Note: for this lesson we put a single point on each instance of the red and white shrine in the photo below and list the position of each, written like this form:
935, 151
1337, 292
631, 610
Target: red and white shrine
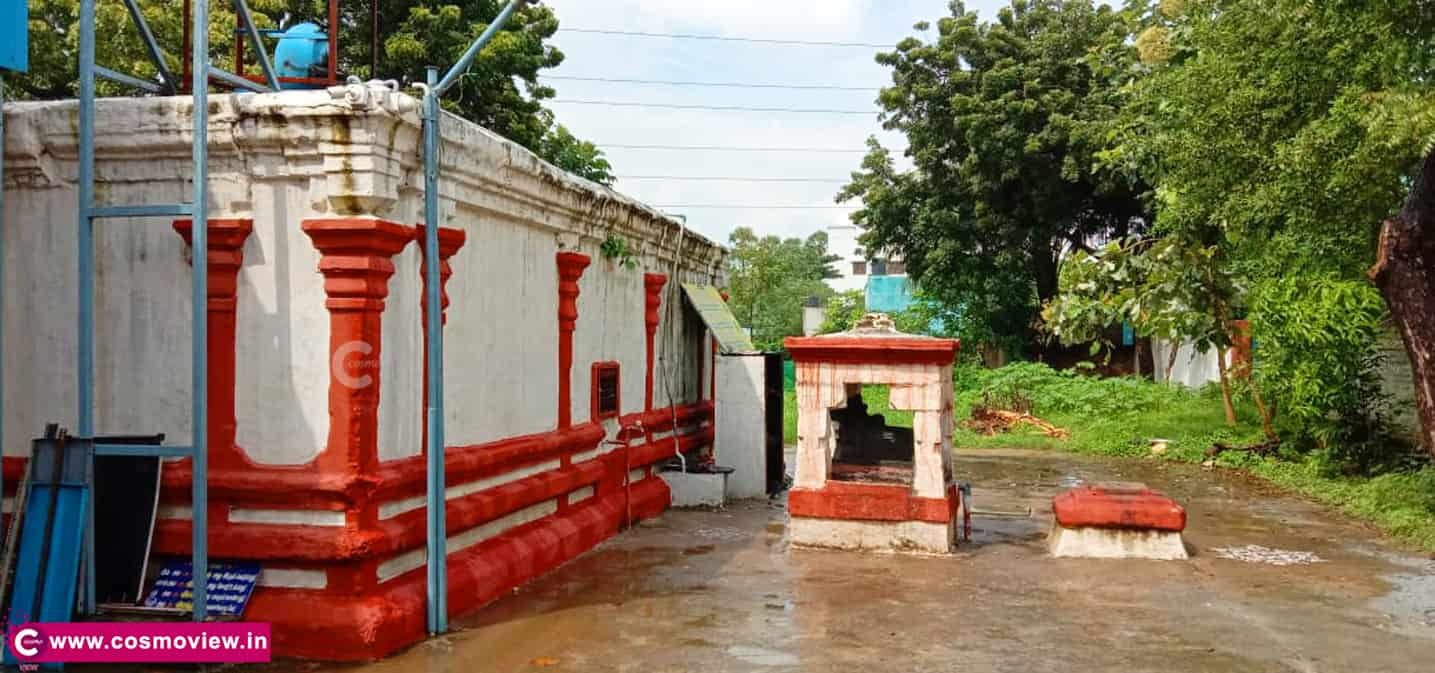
862, 484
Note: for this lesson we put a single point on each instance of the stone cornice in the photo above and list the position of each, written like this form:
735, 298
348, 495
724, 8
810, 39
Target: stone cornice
360, 148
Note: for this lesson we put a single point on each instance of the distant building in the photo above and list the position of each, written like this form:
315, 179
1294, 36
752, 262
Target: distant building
884, 275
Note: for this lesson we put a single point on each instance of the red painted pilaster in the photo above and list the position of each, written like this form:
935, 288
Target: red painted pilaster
570, 269
226, 256
357, 263
653, 300
449, 242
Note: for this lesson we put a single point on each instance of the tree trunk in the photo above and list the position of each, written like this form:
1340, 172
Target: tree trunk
1171, 360
1268, 413
1225, 385
1405, 273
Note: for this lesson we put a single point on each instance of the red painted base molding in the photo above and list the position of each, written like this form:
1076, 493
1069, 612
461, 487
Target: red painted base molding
358, 617
1129, 506
871, 502
333, 626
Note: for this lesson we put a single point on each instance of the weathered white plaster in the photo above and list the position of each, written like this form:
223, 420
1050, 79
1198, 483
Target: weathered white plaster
1193, 368
904, 536
637, 475
293, 578
394, 508
183, 512
602, 449
401, 392
691, 489
580, 495
280, 159
288, 517
740, 415
468, 488
1115, 543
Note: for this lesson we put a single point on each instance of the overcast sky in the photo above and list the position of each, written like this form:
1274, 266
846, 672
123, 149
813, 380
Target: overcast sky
626, 57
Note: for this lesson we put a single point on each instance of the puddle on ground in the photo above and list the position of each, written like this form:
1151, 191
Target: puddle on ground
761, 656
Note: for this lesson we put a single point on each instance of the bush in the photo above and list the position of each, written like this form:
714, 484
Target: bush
1053, 392
1317, 360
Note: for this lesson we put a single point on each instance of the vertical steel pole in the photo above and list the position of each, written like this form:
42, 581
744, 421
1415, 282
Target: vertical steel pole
85, 263
2, 293
437, 527
199, 374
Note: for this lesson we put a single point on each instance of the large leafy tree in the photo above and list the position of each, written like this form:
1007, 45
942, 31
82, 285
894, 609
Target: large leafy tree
1286, 131
501, 91
1004, 122
1288, 128
769, 278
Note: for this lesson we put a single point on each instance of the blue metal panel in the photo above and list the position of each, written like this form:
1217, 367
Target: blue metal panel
143, 450
14, 35
889, 294
158, 210
51, 539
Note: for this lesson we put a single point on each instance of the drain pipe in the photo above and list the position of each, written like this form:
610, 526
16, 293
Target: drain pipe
625, 440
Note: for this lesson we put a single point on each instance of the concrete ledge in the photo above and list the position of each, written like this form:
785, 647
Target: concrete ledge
693, 489
904, 536
1116, 543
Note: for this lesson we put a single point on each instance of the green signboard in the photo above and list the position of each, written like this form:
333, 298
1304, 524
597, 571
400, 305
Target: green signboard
730, 336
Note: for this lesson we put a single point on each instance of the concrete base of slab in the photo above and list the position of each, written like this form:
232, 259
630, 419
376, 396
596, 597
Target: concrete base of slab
693, 489
923, 537
1116, 543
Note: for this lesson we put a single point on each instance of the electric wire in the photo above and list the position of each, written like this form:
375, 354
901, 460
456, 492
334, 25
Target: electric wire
729, 178
721, 148
727, 38
733, 85
719, 108
725, 206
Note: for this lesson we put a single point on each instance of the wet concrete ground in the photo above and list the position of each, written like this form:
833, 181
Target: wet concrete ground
721, 591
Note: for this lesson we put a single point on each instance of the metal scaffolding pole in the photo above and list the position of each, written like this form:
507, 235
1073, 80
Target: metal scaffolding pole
199, 311
437, 559
197, 209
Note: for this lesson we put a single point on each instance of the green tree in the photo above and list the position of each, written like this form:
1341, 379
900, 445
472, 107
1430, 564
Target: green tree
501, 90
769, 278
1286, 131
1288, 128
1004, 121
1169, 288
843, 310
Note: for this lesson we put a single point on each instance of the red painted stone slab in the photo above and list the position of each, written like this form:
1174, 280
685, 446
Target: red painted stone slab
1130, 506
870, 502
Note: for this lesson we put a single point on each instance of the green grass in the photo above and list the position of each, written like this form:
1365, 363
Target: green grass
1119, 417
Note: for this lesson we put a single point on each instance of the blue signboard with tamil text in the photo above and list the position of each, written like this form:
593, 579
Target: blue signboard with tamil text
230, 585
14, 35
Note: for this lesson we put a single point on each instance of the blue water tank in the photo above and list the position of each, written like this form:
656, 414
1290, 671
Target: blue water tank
303, 51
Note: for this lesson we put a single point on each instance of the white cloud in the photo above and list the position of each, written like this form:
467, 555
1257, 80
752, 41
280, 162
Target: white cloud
626, 57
